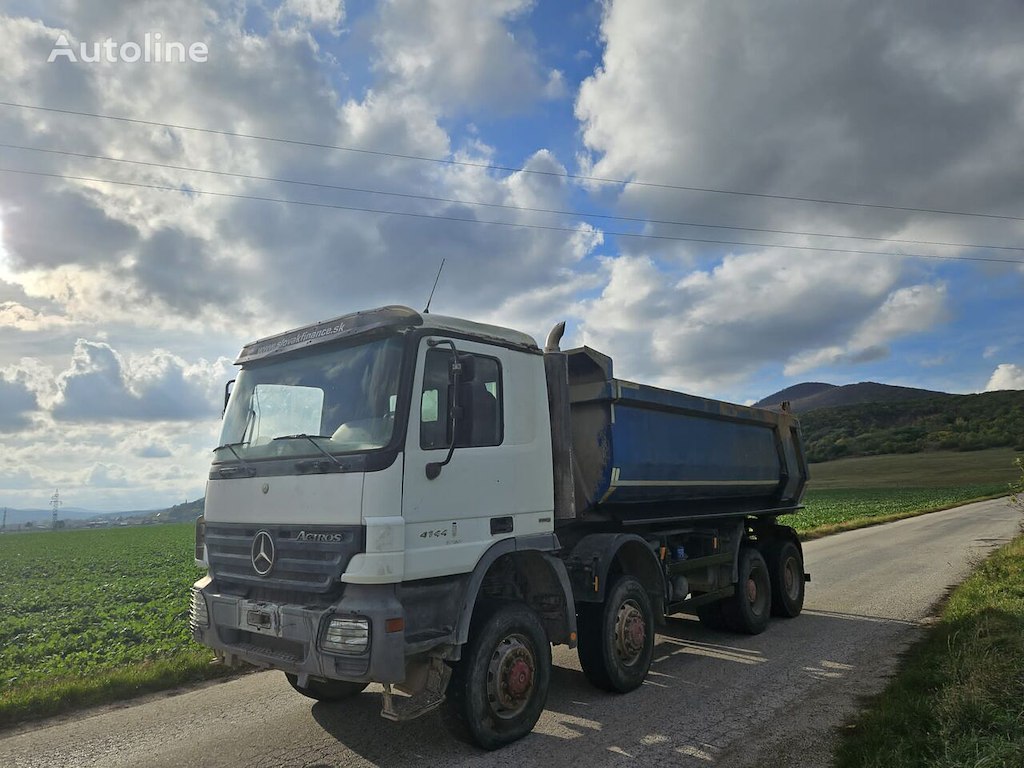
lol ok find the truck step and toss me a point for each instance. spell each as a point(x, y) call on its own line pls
point(398, 707)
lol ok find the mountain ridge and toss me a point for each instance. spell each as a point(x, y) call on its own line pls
point(813, 395)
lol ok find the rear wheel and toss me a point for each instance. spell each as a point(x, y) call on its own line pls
point(786, 567)
point(499, 687)
point(326, 690)
point(749, 610)
point(616, 638)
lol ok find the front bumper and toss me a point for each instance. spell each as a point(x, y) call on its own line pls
point(284, 636)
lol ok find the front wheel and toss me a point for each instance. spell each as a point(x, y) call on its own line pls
point(499, 687)
point(616, 638)
point(326, 690)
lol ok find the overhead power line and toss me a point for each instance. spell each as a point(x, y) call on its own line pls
point(510, 169)
point(505, 206)
point(552, 228)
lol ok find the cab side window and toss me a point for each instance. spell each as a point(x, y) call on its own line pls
point(479, 421)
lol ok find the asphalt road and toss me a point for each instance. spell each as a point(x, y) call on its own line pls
point(773, 700)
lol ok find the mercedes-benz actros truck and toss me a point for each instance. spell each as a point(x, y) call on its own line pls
point(431, 504)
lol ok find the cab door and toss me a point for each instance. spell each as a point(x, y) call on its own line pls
point(495, 485)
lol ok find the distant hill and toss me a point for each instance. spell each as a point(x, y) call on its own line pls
point(16, 517)
point(76, 516)
point(810, 396)
point(795, 394)
point(936, 422)
point(188, 511)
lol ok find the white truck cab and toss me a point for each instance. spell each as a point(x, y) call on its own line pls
point(370, 471)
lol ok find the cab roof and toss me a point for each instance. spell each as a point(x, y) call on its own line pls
point(393, 317)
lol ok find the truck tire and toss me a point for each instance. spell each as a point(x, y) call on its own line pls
point(326, 690)
point(616, 638)
point(499, 687)
point(786, 567)
point(749, 610)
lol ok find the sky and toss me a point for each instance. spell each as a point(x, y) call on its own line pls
point(646, 170)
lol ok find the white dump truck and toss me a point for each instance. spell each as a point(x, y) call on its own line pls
point(431, 503)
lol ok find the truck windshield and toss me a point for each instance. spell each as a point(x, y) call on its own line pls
point(340, 401)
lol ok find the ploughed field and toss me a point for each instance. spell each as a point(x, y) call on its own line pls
point(102, 614)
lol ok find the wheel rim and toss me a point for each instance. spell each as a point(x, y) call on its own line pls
point(757, 591)
point(510, 676)
point(791, 578)
point(630, 632)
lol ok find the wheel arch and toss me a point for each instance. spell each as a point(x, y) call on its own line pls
point(530, 573)
point(599, 557)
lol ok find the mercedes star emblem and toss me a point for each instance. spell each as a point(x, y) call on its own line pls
point(262, 553)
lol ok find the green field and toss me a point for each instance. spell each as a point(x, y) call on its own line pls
point(835, 509)
point(94, 610)
point(849, 493)
point(939, 469)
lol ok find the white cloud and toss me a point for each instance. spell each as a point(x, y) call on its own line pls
point(708, 328)
point(324, 13)
point(461, 54)
point(106, 476)
point(17, 403)
point(19, 317)
point(1006, 376)
point(905, 311)
point(100, 386)
point(556, 87)
point(783, 98)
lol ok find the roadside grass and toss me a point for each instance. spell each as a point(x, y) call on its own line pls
point(68, 693)
point(958, 699)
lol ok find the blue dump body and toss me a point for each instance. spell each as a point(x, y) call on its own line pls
point(640, 451)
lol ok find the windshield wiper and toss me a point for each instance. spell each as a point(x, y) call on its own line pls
point(231, 447)
point(313, 440)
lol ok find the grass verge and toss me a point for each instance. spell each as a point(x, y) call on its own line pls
point(67, 693)
point(958, 699)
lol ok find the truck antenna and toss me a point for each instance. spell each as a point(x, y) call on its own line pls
point(430, 298)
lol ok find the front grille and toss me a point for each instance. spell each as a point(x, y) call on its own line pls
point(299, 566)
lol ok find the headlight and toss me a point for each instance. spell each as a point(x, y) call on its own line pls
point(198, 615)
point(346, 635)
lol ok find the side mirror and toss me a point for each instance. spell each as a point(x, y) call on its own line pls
point(228, 389)
point(456, 373)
